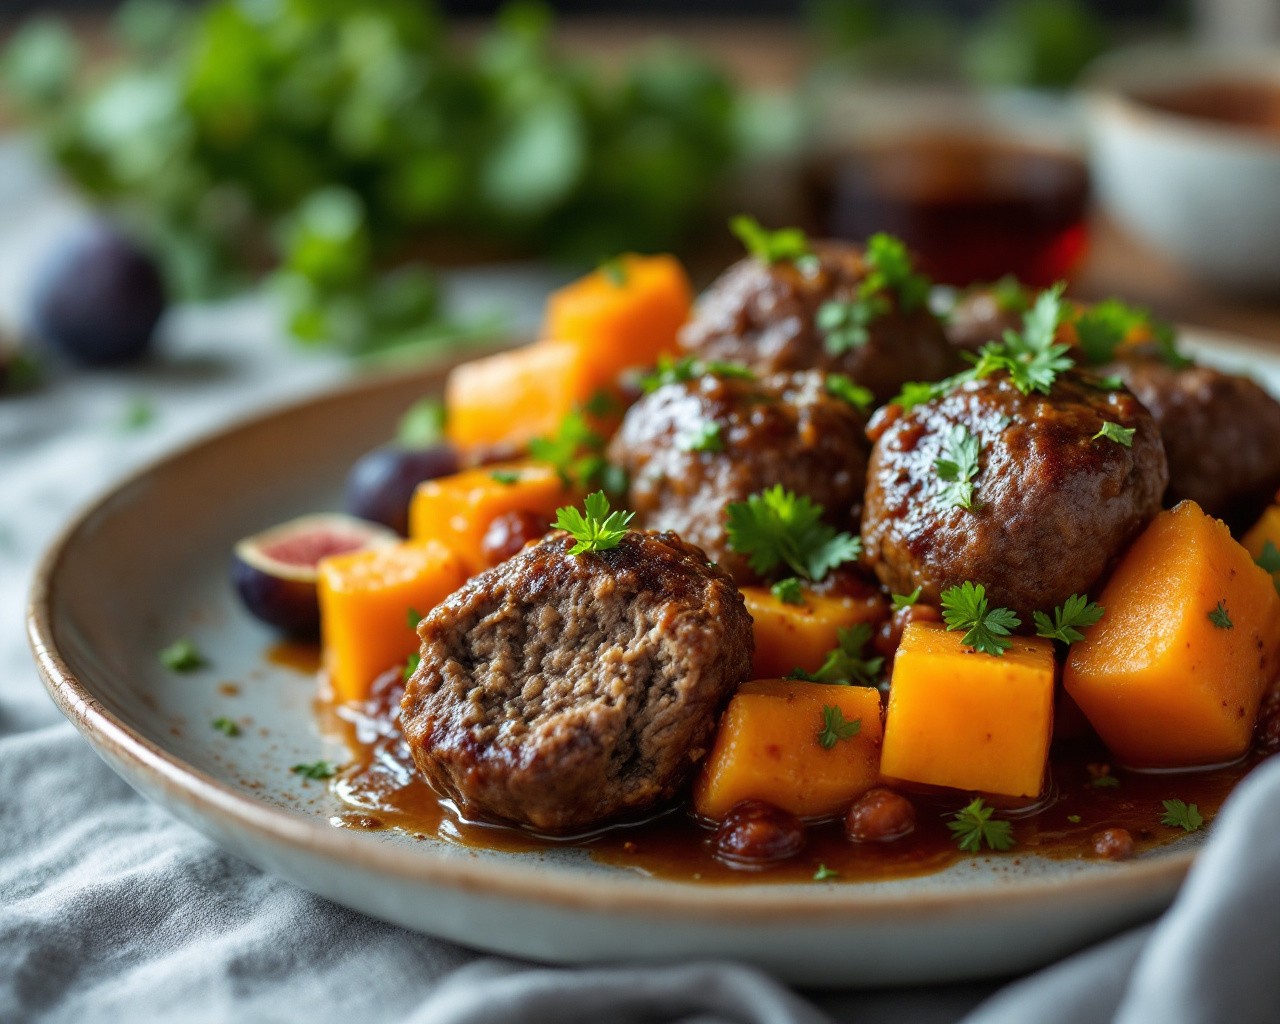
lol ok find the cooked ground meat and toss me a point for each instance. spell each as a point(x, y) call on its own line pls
point(979, 316)
point(764, 315)
point(1053, 505)
point(1221, 434)
point(780, 429)
point(560, 692)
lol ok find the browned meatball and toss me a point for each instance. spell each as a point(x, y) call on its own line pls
point(560, 691)
point(1221, 434)
point(1053, 504)
point(765, 315)
point(983, 315)
point(781, 429)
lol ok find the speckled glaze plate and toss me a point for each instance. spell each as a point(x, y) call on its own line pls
point(148, 563)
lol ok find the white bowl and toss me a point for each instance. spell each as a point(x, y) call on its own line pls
point(1205, 194)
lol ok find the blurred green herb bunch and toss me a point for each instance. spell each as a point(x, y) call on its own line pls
point(339, 146)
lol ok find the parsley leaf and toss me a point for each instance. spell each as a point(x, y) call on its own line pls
point(788, 591)
point(1269, 559)
point(786, 245)
point(138, 414)
point(704, 438)
point(1178, 814)
point(316, 770)
point(777, 526)
point(824, 872)
point(901, 601)
point(614, 271)
point(422, 425)
point(411, 664)
point(845, 664)
point(1106, 383)
point(1219, 616)
point(844, 324)
point(835, 728)
point(575, 454)
point(598, 530)
point(1114, 432)
point(1166, 342)
point(846, 389)
point(226, 726)
point(413, 617)
point(891, 269)
point(956, 468)
point(1103, 327)
point(680, 371)
point(506, 476)
point(1010, 295)
point(965, 607)
point(182, 656)
point(972, 826)
point(1074, 614)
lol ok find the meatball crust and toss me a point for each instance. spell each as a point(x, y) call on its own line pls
point(1053, 505)
point(780, 429)
point(560, 691)
point(1221, 434)
point(764, 315)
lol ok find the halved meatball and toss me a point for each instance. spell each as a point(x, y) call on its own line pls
point(561, 691)
point(780, 429)
point(1221, 434)
point(1054, 504)
point(765, 315)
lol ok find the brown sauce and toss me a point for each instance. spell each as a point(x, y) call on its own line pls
point(296, 656)
point(1241, 103)
point(382, 789)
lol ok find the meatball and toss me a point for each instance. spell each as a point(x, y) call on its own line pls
point(560, 691)
point(1053, 504)
point(984, 314)
point(765, 315)
point(1221, 434)
point(754, 433)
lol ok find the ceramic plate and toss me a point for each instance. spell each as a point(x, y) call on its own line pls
point(148, 563)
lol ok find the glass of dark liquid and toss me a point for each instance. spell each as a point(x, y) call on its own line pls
point(977, 189)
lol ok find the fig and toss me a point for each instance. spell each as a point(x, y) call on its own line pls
point(274, 571)
point(98, 297)
point(381, 483)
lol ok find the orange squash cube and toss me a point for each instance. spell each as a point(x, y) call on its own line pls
point(768, 748)
point(457, 510)
point(365, 603)
point(1265, 531)
point(968, 720)
point(791, 636)
point(626, 318)
point(1173, 674)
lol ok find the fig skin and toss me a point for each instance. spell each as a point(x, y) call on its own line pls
point(280, 589)
point(381, 483)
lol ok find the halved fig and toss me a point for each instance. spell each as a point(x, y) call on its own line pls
point(274, 571)
point(381, 483)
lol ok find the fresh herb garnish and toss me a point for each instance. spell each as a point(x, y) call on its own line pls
point(972, 826)
point(601, 404)
point(1102, 329)
point(422, 425)
point(846, 663)
point(835, 728)
point(1269, 559)
point(844, 324)
point(226, 726)
point(575, 453)
point(966, 607)
point(410, 666)
point(788, 591)
point(506, 476)
point(1178, 814)
point(1074, 614)
point(891, 269)
point(1100, 777)
point(823, 873)
point(680, 371)
point(703, 438)
point(182, 656)
point(413, 617)
point(1114, 432)
point(1106, 383)
point(1219, 616)
point(845, 388)
point(317, 770)
point(1074, 819)
point(777, 527)
point(598, 530)
point(785, 245)
point(1010, 295)
point(956, 467)
point(614, 271)
point(901, 601)
point(138, 414)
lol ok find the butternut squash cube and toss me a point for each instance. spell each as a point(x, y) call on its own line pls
point(456, 510)
point(768, 748)
point(968, 720)
point(791, 636)
point(365, 603)
point(1173, 674)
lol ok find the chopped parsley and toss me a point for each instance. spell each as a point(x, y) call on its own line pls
point(1106, 383)
point(575, 453)
point(506, 476)
point(1178, 814)
point(778, 527)
point(846, 663)
point(1118, 434)
point(1074, 614)
point(1102, 777)
point(966, 607)
point(704, 438)
point(614, 271)
point(422, 425)
point(1074, 819)
point(901, 601)
point(316, 770)
point(598, 530)
point(1219, 616)
point(1102, 329)
point(410, 666)
point(1010, 295)
point(226, 726)
point(786, 245)
point(1269, 559)
point(846, 389)
point(138, 414)
point(788, 591)
point(956, 467)
point(823, 873)
point(182, 656)
point(844, 324)
point(835, 728)
point(680, 371)
point(892, 269)
point(413, 617)
point(972, 826)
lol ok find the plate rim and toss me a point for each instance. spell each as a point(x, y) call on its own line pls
point(553, 886)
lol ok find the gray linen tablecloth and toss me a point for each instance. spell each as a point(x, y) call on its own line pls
point(112, 911)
